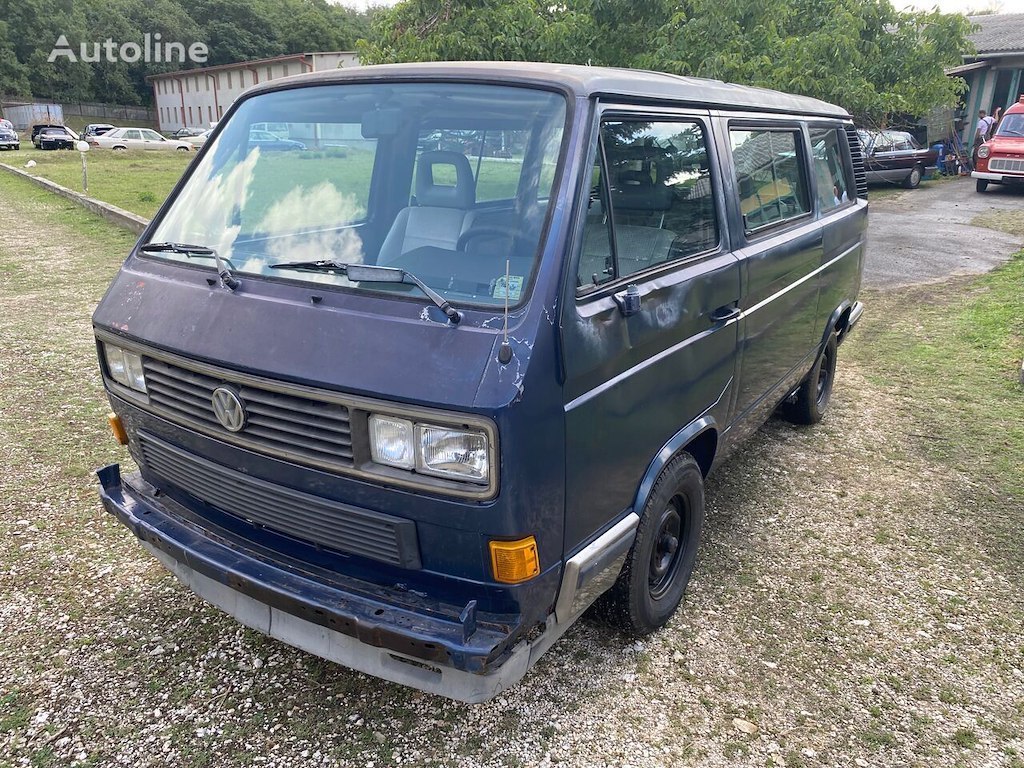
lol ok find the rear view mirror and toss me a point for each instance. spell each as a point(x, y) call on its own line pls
point(381, 123)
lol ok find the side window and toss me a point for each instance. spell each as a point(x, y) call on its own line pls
point(769, 176)
point(651, 199)
point(832, 184)
point(133, 134)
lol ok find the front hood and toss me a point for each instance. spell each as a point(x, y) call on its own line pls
point(360, 344)
point(1006, 145)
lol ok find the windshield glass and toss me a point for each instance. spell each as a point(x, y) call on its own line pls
point(444, 180)
point(1012, 125)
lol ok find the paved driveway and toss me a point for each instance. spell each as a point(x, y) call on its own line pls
point(924, 235)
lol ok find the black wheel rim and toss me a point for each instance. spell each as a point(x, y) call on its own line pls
point(824, 374)
point(666, 554)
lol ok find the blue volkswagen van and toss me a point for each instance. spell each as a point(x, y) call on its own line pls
point(413, 396)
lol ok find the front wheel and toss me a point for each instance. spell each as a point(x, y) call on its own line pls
point(811, 400)
point(660, 564)
point(914, 179)
point(982, 185)
point(120, 149)
point(182, 149)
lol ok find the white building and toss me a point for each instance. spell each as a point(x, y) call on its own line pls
point(195, 98)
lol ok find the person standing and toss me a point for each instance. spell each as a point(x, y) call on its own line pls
point(985, 122)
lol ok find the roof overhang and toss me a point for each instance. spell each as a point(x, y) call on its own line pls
point(975, 65)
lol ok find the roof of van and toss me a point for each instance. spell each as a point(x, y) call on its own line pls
point(629, 84)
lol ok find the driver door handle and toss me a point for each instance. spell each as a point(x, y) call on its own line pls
point(726, 313)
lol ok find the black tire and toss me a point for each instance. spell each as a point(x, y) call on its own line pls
point(982, 185)
point(660, 563)
point(810, 402)
point(182, 149)
point(120, 149)
point(914, 179)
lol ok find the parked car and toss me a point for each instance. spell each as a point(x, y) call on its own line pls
point(1001, 158)
point(896, 157)
point(419, 434)
point(56, 138)
point(198, 140)
point(39, 127)
point(270, 142)
point(9, 138)
point(183, 133)
point(96, 129)
point(122, 139)
point(5, 123)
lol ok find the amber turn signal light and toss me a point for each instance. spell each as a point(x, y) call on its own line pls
point(117, 428)
point(513, 562)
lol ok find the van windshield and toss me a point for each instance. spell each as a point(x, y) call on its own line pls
point(448, 181)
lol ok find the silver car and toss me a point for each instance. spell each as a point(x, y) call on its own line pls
point(122, 139)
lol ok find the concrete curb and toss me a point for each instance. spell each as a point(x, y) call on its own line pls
point(111, 213)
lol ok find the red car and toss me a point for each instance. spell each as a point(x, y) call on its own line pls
point(1001, 158)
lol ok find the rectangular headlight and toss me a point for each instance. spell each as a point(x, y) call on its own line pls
point(453, 453)
point(391, 442)
point(125, 367)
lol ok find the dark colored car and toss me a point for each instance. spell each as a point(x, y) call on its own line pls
point(96, 129)
point(271, 142)
point(56, 138)
point(896, 157)
point(9, 139)
point(415, 411)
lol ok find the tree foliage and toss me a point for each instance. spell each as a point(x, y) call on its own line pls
point(862, 54)
point(233, 30)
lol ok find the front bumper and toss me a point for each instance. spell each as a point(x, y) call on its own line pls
point(394, 634)
point(999, 178)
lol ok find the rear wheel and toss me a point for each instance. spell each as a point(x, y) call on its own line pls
point(120, 149)
point(982, 185)
point(182, 149)
point(808, 404)
point(914, 179)
point(660, 564)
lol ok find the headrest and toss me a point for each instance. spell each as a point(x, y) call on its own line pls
point(431, 194)
point(641, 191)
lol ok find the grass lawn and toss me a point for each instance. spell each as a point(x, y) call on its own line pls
point(135, 181)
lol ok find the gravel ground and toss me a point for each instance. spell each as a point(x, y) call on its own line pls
point(925, 234)
point(848, 608)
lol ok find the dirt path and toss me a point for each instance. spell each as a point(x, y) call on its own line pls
point(842, 604)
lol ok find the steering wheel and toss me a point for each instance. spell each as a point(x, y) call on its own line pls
point(492, 231)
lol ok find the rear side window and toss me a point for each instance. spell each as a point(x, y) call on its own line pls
point(833, 186)
point(769, 176)
point(651, 199)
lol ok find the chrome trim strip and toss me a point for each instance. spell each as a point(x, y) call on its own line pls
point(381, 475)
point(814, 273)
point(594, 568)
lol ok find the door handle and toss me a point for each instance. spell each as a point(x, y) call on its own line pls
point(725, 314)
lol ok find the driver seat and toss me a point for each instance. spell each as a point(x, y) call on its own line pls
point(442, 212)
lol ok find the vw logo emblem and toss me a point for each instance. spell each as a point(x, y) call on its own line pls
point(228, 408)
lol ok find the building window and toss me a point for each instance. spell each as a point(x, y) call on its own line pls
point(220, 112)
point(186, 86)
point(190, 120)
point(207, 79)
point(284, 70)
point(229, 79)
point(209, 112)
point(270, 74)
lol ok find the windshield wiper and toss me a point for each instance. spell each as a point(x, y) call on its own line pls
point(371, 273)
point(226, 278)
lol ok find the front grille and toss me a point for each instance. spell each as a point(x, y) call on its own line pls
point(1006, 164)
point(857, 155)
point(301, 429)
point(300, 515)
